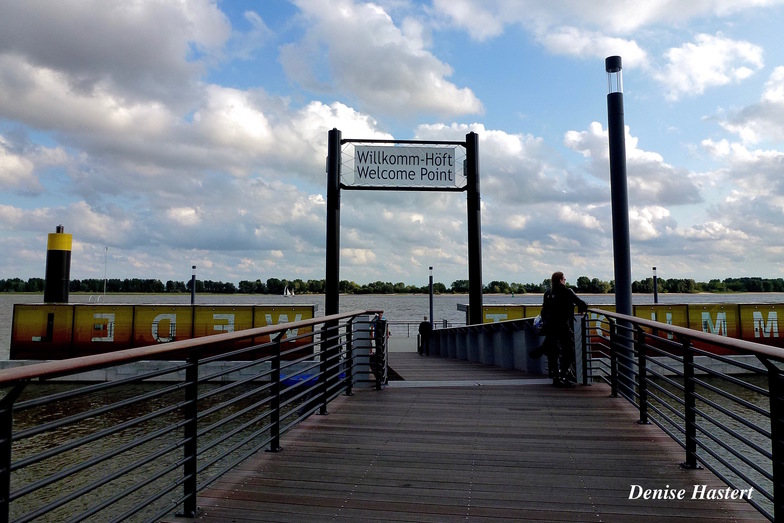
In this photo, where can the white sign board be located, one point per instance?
(404, 166)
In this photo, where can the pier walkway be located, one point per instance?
(457, 441)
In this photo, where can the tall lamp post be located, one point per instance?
(193, 284)
(655, 287)
(105, 264)
(431, 297)
(620, 207)
(618, 189)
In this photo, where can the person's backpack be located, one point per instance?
(539, 325)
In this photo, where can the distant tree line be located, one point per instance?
(298, 286)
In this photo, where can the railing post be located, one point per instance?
(613, 359)
(642, 373)
(382, 358)
(274, 445)
(190, 448)
(350, 357)
(6, 436)
(333, 363)
(585, 327)
(378, 361)
(690, 405)
(322, 383)
(386, 358)
(776, 394)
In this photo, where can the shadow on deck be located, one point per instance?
(461, 441)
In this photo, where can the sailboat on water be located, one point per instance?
(288, 292)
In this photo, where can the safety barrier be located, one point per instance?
(144, 446)
(504, 344)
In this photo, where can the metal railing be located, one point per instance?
(721, 399)
(410, 329)
(141, 447)
(505, 344)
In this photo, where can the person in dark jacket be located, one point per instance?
(558, 312)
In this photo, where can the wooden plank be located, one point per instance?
(481, 453)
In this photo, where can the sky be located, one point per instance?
(164, 134)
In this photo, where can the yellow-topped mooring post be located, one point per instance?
(58, 266)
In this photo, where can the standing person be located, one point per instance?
(425, 330)
(558, 312)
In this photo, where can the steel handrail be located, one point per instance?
(739, 345)
(53, 369)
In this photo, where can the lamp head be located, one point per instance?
(612, 65)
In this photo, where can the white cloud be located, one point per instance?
(603, 28)
(484, 19)
(647, 223)
(184, 215)
(572, 41)
(774, 87)
(357, 256)
(650, 180)
(761, 122)
(571, 215)
(394, 74)
(709, 62)
(16, 171)
(232, 118)
(151, 50)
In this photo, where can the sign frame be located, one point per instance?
(335, 143)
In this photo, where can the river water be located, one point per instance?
(397, 307)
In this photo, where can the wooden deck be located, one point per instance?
(462, 442)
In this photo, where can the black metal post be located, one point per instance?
(190, 448)
(323, 368)
(334, 349)
(350, 357)
(332, 280)
(642, 372)
(431, 299)
(385, 357)
(274, 445)
(618, 190)
(377, 359)
(690, 406)
(6, 436)
(776, 390)
(619, 199)
(655, 287)
(474, 221)
(613, 358)
(58, 266)
(193, 284)
(586, 331)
